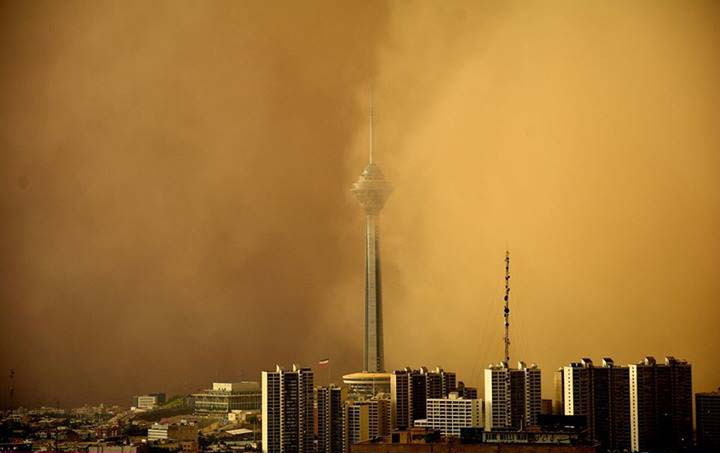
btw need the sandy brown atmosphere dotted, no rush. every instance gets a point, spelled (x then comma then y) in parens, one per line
(175, 204)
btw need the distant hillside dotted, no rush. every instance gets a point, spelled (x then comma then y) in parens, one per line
(175, 401)
(177, 405)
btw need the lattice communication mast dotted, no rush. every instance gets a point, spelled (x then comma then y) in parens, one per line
(507, 307)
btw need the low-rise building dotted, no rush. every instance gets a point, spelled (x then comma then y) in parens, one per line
(242, 416)
(158, 432)
(449, 415)
(175, 432)
(149, 401)
(225, 397)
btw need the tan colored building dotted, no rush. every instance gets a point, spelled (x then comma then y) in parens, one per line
(177, 432)
(366, 419)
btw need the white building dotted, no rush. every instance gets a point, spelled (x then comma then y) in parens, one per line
(158, 432)
(241, 416)
(148, 401)
(497, 396)
(225, 397)
(366, 419)
(287, 410)
(448, 415)
(512, 396)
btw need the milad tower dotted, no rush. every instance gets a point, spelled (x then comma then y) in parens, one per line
(371, 191)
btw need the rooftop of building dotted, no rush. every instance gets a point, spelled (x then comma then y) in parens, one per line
(669, 361)
(229, 388)
(453, 396)
(294, 369)
(520, 366)
(364, 375)
(713, 393)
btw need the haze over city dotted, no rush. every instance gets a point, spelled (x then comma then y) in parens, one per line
(176, 205)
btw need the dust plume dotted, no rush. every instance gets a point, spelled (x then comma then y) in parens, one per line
(175, 187)
(583, 136)
(174, 202)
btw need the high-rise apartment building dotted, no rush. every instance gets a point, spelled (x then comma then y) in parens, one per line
(707, 417)
(660, 405)
(601, 394)
(366, 419)
(512, 396)
(410, 389)
(466, 392)
(400, 399)
(533, 392)
(330, 413)
(287, 410)
(559, 397)
(448, 415)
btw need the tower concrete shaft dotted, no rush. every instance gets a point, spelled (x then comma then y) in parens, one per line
(371, 191)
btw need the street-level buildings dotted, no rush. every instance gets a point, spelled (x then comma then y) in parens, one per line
(176, 432)
(423, 440)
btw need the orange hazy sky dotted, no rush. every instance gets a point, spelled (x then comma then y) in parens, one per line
(175, 187)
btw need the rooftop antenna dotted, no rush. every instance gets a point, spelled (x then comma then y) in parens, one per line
(507, 307)
(371, 125)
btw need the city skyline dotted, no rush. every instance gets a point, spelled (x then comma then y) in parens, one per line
(164, 201)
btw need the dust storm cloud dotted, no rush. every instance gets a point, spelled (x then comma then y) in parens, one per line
(175, 208)
(583, 136)
(175, 187)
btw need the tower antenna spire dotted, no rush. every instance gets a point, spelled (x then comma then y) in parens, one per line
(507, 307)
(371, 125)
(371, 191)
